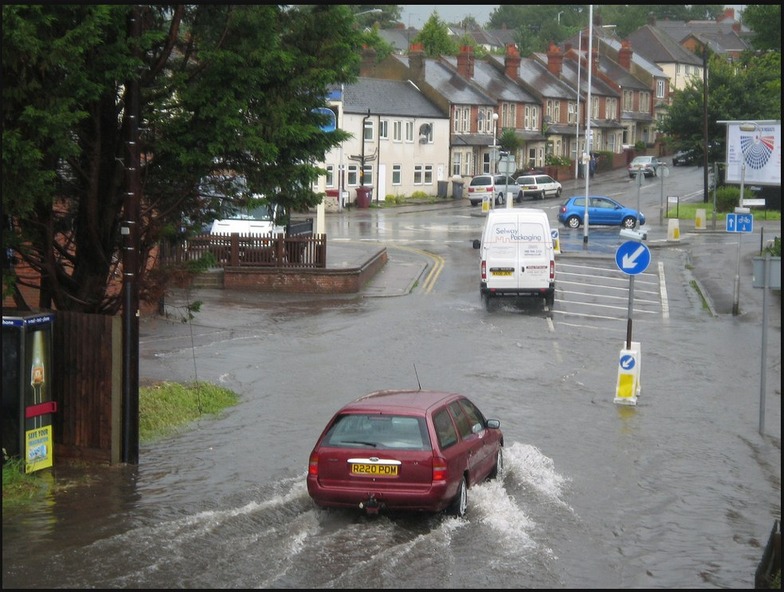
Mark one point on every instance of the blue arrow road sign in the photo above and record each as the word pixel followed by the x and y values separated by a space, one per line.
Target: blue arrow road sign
pixel 627 362
pixel 632 257
pixel 740 223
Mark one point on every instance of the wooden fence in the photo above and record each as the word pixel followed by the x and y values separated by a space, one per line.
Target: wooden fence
pixel 235 250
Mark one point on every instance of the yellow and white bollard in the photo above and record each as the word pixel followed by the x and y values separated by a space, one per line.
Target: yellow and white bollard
pixel 485 204
pixel 628 386
pixel 699 220
pixel 556 241
pixel 673 230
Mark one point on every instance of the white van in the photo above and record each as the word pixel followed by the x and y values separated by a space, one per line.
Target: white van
pixel 517 256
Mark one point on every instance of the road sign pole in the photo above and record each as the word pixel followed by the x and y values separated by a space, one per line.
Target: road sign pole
pixel 630 313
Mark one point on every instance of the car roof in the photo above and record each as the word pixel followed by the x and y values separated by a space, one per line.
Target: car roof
pixel 400 401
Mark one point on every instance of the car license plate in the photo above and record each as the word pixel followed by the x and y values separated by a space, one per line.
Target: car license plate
pixel 374 470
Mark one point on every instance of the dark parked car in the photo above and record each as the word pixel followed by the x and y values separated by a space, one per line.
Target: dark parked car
pixel 684 158
pixel 602 211
pixel 409 450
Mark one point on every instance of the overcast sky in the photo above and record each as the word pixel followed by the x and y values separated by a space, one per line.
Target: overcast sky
pixel 449 13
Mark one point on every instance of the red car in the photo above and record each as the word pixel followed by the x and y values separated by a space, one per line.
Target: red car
pixel 404 450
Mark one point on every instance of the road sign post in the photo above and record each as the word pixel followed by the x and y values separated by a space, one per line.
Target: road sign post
pixel 632 258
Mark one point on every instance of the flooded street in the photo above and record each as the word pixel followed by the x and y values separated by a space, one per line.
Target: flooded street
pixel 679 491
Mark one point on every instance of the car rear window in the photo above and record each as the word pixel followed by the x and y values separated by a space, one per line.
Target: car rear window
pixel 379 432
pixel 526 181
pixel 481 181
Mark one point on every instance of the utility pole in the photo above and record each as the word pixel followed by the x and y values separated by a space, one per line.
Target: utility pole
pixel 130 236
pixel 705 123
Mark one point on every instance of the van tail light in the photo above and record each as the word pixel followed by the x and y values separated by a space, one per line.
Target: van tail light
pixel 313 464
pixel 484 269
pixel 552 269
pixel 439 469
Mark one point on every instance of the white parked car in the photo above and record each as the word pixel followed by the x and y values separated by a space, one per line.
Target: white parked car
pixel 537 187
pixel 492 187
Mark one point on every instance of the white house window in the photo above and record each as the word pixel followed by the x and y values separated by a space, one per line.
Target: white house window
pixel 367 179
pixel 556 111
pixel 660 84
pixel 612 108
pixel 329 178
pixel 645 102
pixel 417 174
pixel 397 131
pixel 368 130
pixel 352 175
pixel 457 115
pixel 428 174
pixel 397 174
pixel 409 131
pixel 466 120
pixel 628 100
pixel 383 129
pixel 456 158
pixel 572 112
pixel 468 165
pixel 595 107
pixel 426 132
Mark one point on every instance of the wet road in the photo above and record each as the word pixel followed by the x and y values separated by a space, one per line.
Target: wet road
pixel 678 491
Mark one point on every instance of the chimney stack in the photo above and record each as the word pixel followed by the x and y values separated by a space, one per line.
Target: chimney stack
pixel 465 61
pixel 512 61
pixel 554 59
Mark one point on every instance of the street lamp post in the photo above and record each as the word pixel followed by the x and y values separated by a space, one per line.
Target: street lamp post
pixel 745 127
pixel 492 161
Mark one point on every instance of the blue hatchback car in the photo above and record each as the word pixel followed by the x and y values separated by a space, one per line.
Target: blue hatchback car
pixel 602 211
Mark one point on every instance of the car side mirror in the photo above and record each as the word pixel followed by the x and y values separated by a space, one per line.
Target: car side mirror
pixel 477 243
pixel 493 424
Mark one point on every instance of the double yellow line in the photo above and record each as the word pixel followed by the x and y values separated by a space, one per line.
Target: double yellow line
pixel 435 270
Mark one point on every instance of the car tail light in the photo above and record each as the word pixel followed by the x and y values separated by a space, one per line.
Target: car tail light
pixel 552 269
pixel 484 269
pixel 313 465
pixel 563 209
pixel 439 469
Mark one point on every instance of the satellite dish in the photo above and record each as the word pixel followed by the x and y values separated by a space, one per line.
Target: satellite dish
pixel 425 129
pixel 331 124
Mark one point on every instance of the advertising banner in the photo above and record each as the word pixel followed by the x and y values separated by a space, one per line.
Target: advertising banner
pixel 759 147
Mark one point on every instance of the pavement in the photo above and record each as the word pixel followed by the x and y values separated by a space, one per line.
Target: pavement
pixel 713 259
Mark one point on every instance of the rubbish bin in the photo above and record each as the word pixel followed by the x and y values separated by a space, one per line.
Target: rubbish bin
pixel 443 188
pixel 363 196
pixel 457 189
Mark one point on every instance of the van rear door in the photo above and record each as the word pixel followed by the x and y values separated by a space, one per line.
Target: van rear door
pixel 535 255
pixel 501 253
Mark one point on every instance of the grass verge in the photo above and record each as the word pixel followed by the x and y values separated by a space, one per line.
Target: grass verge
pixel 164 409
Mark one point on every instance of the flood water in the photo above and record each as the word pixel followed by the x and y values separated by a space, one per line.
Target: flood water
pixel 679 491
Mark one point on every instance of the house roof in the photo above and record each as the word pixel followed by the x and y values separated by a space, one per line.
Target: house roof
pixel 658 47
pixel 448 83
pixel 539 79
pixel 388 97
pixel 495 83
pixel 720 37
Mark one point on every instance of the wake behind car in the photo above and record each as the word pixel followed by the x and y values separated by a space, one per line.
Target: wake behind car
pixel 684 158
pixel 404 450
pixel 602 211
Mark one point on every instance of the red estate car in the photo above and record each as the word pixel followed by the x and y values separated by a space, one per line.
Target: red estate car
pixel 404 450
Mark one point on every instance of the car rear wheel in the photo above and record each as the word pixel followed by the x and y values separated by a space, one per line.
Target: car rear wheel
pixel 499 201
pixel 629 222
pixel 558 192
pixel 573 222
pixel 460 503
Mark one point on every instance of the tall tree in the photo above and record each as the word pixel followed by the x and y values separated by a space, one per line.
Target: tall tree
pixel 729 99
pixel 223 89
pixel 435 37
pixel 765 21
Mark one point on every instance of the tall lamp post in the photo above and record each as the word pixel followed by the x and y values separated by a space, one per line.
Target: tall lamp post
pixel 492 161
pixel 744 127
